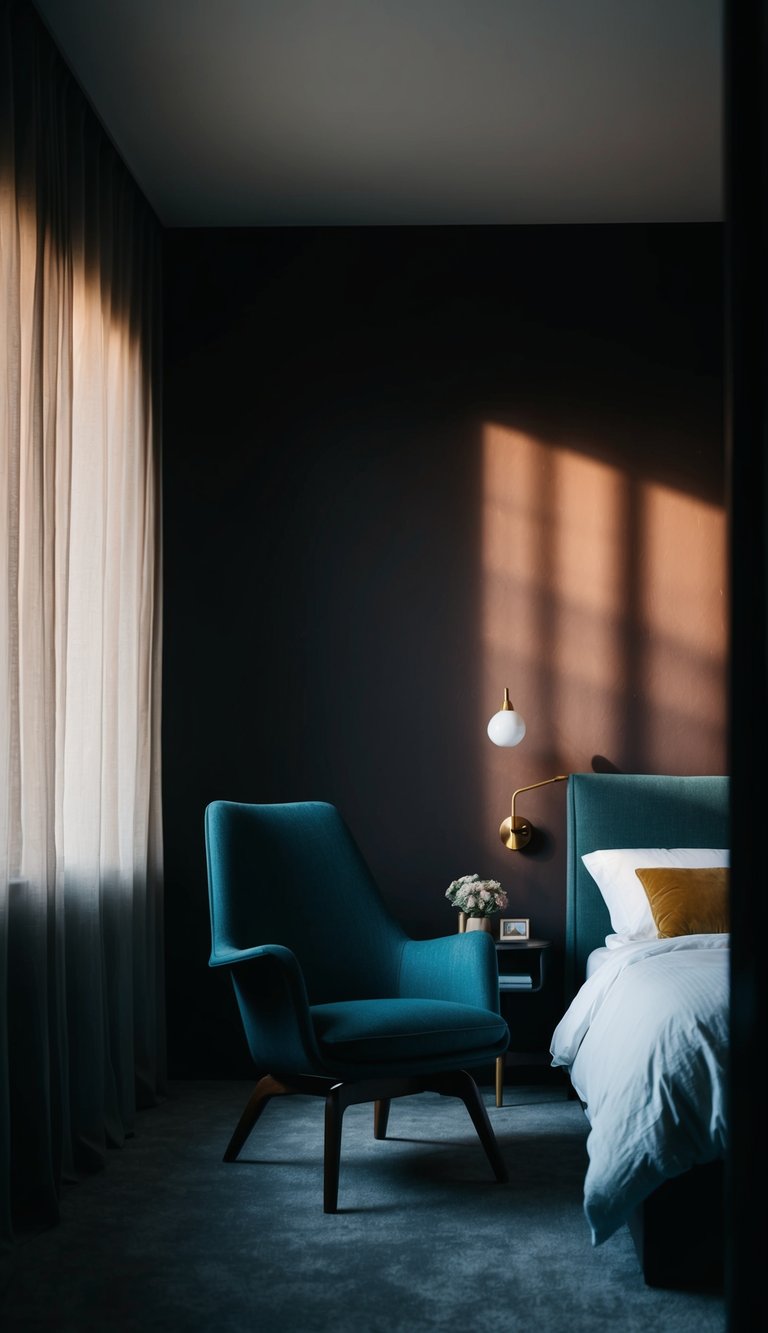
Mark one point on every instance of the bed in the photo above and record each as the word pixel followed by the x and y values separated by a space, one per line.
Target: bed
pixel 643 1036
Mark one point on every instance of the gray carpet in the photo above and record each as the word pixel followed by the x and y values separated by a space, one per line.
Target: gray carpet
pixel 169 1237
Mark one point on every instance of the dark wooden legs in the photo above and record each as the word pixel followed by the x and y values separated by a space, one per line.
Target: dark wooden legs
pixel 381 1117
pixel 456 1083
pixel 335 1106
pixel 265 1089
pixel 338 1096
pixel 467 1089
pixel 342 1095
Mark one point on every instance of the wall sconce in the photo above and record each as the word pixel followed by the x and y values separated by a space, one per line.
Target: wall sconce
pixel 507 728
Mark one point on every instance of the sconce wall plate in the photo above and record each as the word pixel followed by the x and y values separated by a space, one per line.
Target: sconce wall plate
pixel 517 837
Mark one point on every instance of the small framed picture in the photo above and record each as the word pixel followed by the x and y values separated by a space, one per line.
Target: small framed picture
pixel 514 928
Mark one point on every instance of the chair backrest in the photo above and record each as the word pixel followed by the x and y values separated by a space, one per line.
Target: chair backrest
pixel 292 874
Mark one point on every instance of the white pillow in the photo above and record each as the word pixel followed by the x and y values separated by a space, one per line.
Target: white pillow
pixel 614 873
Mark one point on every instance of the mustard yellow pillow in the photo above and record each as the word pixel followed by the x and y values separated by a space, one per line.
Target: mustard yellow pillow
pixel 687 901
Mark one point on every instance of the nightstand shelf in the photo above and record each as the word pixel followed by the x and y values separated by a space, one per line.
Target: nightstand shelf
pixel 522 971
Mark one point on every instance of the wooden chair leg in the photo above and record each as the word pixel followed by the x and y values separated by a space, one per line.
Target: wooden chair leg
pixel 266 1088
pixel 339 1097
pixel 335 1106
pixel 381 1117
pixel 460 1083
pixel 476 1107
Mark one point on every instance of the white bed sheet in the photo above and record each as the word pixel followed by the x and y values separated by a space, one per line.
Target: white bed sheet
pixel 645 1042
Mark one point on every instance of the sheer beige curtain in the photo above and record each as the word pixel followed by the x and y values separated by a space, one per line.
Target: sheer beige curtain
pixel 81 970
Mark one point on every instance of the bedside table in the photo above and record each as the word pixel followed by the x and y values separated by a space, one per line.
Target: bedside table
pixel 522 971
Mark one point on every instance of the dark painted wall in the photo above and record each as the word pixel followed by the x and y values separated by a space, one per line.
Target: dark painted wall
pixel 327 397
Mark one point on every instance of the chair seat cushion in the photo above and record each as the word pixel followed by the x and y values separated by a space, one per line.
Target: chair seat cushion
pixel 397 1032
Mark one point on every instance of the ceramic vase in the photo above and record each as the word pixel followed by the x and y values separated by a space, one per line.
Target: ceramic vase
pixel 479 923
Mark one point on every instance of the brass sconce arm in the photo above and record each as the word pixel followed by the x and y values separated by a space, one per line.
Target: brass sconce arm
pixel 515 832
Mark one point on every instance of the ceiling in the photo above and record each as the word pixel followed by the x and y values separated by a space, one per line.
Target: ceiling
pixel 398 112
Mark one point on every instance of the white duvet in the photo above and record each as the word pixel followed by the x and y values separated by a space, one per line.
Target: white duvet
pixel 644 1042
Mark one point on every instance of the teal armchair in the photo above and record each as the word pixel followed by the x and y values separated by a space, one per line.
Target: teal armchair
pixel 336 999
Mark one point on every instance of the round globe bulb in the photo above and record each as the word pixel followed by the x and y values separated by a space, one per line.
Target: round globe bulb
pixel 506 727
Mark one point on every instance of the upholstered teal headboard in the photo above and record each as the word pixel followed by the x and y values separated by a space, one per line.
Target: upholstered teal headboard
pixel 630 810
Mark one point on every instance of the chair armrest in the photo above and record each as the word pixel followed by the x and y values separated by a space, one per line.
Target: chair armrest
pixel 272 998
pixel 461 967
pixel 229 957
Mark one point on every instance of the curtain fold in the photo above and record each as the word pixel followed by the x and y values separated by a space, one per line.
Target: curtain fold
pixel 81 953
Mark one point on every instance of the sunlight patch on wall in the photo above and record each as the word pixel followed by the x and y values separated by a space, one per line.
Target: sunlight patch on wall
pixel 602 610
pixel 682 610
pixel 551 590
